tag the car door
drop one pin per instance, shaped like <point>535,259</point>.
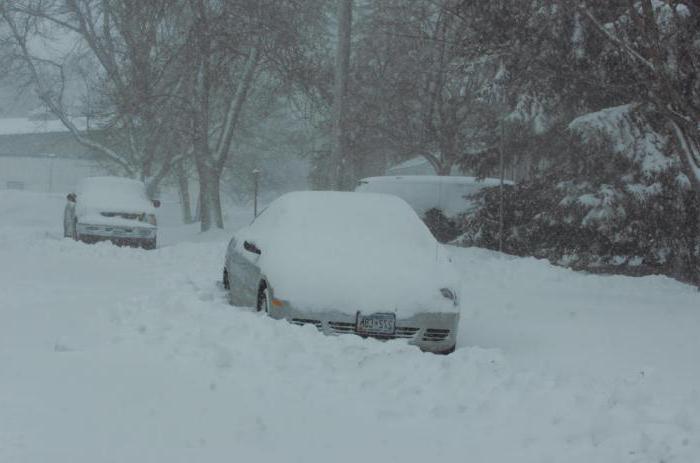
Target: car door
<point>244,273</point>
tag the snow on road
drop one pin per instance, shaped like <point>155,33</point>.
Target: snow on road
<point>114,355</point>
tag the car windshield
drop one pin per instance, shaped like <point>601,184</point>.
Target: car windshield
<point>123,215</point>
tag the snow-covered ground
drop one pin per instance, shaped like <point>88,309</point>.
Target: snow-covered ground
<point>124,355</point>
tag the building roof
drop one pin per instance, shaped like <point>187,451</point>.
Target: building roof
<point>23,126</point>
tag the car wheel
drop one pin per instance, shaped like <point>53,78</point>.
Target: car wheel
<point>149,245</point>
<point>224,280</point>
<point>263,300</point>
<point>448,350</point>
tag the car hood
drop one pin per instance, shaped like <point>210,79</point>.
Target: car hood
<point>318,275</point>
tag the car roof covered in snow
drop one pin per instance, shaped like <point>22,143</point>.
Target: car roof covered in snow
<point>334,249</point>
<point>345,213</point>
<point>113,194</point>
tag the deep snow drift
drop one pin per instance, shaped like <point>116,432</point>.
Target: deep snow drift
<point>110,354</point>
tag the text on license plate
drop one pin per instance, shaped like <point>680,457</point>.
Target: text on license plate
<point>376,323</point>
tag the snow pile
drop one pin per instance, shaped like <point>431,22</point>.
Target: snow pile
<point>349,252</point>
<point>111,354</point>
<point>25,213</point>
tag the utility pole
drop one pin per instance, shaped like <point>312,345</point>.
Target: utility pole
<point>501,225</point>
<point>342,67</point>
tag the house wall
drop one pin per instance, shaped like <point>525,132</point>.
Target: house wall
<point>43,173</point>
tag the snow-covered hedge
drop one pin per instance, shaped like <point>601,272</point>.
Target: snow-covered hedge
<point>599,207</point>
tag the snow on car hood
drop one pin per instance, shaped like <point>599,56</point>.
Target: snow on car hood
<point>112,194</point>
<point>350,252</point>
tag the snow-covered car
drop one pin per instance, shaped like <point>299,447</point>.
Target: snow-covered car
<point>438,200</point>
<point>347,263</point>
<point>111,209</point>
<point>449,194</point>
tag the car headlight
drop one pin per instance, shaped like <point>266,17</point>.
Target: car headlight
<point>447,293</point>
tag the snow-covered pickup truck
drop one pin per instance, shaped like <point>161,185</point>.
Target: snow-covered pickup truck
<point>111,209</point>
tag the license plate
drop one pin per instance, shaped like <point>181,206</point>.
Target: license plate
<point>376,323</point>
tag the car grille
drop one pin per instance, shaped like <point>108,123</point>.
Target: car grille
<point>402,332</point>
<point>306,321</point>
<point>435,335</point>
<point>342,327</point>
<point>346,327</point>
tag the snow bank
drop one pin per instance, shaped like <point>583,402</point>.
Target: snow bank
<point>110,354</point>
<point>25,214</point>
<point>349,252</point>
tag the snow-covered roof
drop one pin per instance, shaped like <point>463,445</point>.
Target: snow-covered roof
<point>416,166</point>
<point>350,251</point>
<point>21,126</point>
<point>434,179</point>
<point>413,162</point>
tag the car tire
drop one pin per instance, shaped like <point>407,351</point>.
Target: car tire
<point>224,280</point>
<point>263,300</point>
<point>149,245</point>
<point>448,351</point>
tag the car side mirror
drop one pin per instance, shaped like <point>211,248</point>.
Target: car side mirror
<point>251,247</point>
<point>156,203</point>
<point>71,197</point>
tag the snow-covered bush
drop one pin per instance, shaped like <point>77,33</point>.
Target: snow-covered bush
<point>598,205</point>
<point>443,228</point>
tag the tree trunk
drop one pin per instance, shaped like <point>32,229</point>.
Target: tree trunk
<point>205,212</point>
<point>342,65</point>
<point>183,188</point>
<point>215,191</point>
<point>444,168</point>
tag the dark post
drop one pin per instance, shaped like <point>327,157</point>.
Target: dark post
<point>501,225</point>
<point>256,176</point>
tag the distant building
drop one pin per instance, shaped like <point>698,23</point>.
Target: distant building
<point>417,166</point>
<point>420,166</point>
<point>40,154</point>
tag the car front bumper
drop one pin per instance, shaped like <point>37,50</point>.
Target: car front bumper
<point>119,235</point>
<point>431,332</point>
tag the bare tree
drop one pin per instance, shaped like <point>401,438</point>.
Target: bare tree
<point>212,130</point>
<point>129,47</point>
